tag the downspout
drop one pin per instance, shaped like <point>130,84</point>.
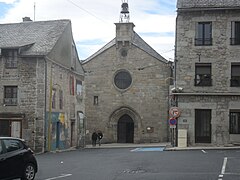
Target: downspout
<point>45,107</point>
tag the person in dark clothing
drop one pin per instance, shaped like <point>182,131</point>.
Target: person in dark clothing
<point>94,138</point>
<point>100,136</point>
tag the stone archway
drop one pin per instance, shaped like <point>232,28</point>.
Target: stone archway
<point>127,118</point>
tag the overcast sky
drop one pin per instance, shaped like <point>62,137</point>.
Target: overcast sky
<point>93,20</point>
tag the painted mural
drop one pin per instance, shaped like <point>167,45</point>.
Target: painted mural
<point>59,137</point>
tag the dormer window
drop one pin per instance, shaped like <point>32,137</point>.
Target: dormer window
<point>10,56</point>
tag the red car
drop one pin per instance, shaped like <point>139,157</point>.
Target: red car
<point>16,160</point>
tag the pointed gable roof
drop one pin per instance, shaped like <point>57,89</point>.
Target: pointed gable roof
<point>37,38</point>
<point>137,41</point>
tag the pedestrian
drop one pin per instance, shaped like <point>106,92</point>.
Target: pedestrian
<point>100,136</point>
<point>94,138</point>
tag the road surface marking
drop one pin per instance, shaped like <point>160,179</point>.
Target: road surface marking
<point>146,149</point>
<point>224,165</point>
<point>223,169</point>
<point>204,151</point>
<point>58,177</point>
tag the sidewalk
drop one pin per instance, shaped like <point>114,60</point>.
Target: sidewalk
<point>167,146</point>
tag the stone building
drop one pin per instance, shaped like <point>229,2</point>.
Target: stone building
<point>126,86</point>
<point>40,84</point>
<point>208,70</point>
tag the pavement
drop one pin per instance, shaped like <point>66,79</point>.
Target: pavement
<point>167,146</point>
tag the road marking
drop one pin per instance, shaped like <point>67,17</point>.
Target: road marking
<point>58,177</point>
<point>204,151</point>
<point>146,149</point>
<point>224,165</point>
<point>223,169</point>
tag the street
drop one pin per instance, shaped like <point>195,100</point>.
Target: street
<point>140,164</point>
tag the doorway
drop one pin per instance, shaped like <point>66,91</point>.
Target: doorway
<point>203,126</point>
<point>125,129</point>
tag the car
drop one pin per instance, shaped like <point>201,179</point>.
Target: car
<point>17,160</point>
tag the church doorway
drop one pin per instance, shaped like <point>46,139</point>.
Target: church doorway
<point>125,129</point>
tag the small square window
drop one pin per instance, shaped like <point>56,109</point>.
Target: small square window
<point>203,74</point>
<point>10,95</point>
<point>10,56</point>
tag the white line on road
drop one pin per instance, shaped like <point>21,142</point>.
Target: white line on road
<point>204,151</point>
<point>223,169</point>
<point>58,177</point>
<point>224,165</point>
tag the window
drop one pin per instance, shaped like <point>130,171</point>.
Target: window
<point>235,33</point>
<point>10,95</point>
<point>203,74</point>
<point>10,128</point>
<point>234,122</point>
<point>95,100</point>
<point>79,87</point>
<point>203,34</point>
<point>10,56</point>
<point>5,128</point>
<point>71,85</point>
<point>235,75</point>
<point>60,99</point>
<point>12,145</point>
<point>123,79</point>
<point>53,98</point>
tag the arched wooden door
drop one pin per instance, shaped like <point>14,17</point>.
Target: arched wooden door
<point>125,129</point>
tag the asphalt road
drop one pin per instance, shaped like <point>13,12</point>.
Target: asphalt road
<point>132,164</point>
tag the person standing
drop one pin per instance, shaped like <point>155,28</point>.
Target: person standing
<point>94,138</point>
<point>100,136</point>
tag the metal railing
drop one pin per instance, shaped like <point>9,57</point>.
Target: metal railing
<point>10,101</point>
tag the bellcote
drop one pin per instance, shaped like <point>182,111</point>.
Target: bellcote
<point>124,33</point>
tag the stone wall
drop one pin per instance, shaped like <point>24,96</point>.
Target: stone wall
<point>220,97</point>
<point>146,100</point>
<point>207,3</point>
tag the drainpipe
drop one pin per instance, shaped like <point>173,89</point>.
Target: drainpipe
<point>45,107</point>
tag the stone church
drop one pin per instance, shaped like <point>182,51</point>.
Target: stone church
<point>127,89</point>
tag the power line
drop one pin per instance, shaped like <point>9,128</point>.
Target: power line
<point>86,11</point>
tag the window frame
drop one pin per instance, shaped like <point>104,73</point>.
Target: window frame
<point>11,58</point>
<point>60,99</point>
<point>233,114</point>
<point>79,87</point>
<point>54,94</point>
<point>235,79</point>
<point>95,100</point>
<point>11,98</point>
<point>235,33</point>
<point>120,80</point>
<point>201,33</point>
<point>7,150</point>
<point>71,85</point>
<point>206,80</point>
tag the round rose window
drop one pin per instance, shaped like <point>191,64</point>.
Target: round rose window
<point>123,79</point>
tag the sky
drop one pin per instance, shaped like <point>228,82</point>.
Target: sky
<point>93,20</point>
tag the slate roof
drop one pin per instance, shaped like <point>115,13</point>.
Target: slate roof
<point>137,41</point>
<point>38,38</point>
<point>208,4</point>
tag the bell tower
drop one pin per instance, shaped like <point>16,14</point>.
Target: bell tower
<point>124,15</point>
<point>124,29</point>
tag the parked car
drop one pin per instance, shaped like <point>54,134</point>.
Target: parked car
<point>16,159</point>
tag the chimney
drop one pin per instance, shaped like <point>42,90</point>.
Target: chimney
<point>26,19</point>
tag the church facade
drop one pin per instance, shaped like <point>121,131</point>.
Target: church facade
<point>126,90</point>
